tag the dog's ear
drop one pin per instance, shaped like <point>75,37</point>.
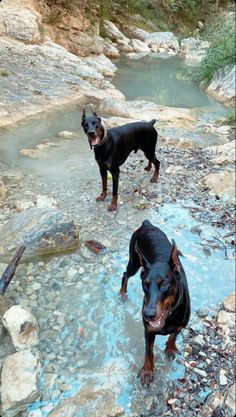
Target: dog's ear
<point>174,257</point>
<point>83,117</point>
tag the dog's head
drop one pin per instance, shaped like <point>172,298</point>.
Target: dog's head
<point>160,285</point>
<point>93,128</point>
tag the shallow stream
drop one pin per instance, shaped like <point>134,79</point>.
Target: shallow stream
<point>88,336</point>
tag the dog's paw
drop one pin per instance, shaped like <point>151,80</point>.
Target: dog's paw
<point>153,179</point>
<point>112,207</point>
<point>123,296</point>
<point>171,353</point>
<point>101,197</point>
<point>146,376</point>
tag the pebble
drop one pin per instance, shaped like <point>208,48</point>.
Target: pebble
<point>223,378</point>
<point>200,372</point>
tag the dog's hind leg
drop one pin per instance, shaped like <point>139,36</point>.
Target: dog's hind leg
<point>149,166</point>
<point>152,159</point>
<point>131,269</point>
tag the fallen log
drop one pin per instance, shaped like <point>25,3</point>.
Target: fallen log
<point>9,272</point>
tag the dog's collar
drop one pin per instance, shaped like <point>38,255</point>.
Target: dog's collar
<point>105,137</point>
<point>179,298</point>
<point>141,256</point>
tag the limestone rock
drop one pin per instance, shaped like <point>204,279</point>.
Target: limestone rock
<point>229,303</point>
<point>162,41</point>
<point>20,22</point>
<point>193,50</point>
<point>22,326</point>
<point>109,49</point>
<point>223,154</point>
<point>20,377</point>
<point>139,46</point>
<point>222,85</point>
<point>113,32</point>
<point>41,230</point>
<point>221,184</point>
<point>101,64</point>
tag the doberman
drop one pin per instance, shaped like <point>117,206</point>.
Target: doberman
<point>166,304</point>
<point>113,146</point>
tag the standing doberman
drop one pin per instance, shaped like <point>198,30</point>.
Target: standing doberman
<point>113,146</point>
<point>166,304</point>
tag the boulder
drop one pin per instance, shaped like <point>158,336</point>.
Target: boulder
<point>139,46</point>
<point>109,49</point>
<point>41,230</point>
<point>136,33</point>
<point>145,110</point>
<point>20,22</point>
<point>22,326</point>
<point>221,184</point>
<point>193,50</point>
<point>222,154</point>
<point>20,380</point>
<point>113,32</point>
<point>222,85</point>
<point>101,64</point>
<point>162,41</point>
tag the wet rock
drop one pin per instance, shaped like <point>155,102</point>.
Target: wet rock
<point>193,50</point>
<point>220,184</point>
<point>41,230</point>
<point>94,404</point>
<point>222,85</point>
<point>162,41</point>
<point>22,327</point>
<point>20,379</point>
<point>229,303</point>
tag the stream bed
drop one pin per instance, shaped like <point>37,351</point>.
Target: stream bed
<point>88,337</point>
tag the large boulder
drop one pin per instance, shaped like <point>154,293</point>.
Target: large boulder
<point>101,64</point>
<point>162,42</point>
<point>113,32</point>
<point>20,381</point>
<point>139,46</point>
<point>22,326</point>
<point>193,50</point>
<point>222,85</point>
<point>41,230</point>
<point>20,22</point>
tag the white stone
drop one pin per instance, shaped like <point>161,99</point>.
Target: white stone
<point>222,85</point>
<point>229,303</point>
<point>113,32</point>
<point>162,41</point>
<point>221,184</point>
<point>22,326</point>
<point>139,46</point>
<point>20,377</point>
<point>223,154</point>
<point>101,64</point>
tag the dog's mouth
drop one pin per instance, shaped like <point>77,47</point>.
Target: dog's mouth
<point>94,140</point>
<point>159,323</point>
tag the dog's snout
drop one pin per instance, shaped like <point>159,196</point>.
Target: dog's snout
<point>91,132</point>
<point>149,314</point>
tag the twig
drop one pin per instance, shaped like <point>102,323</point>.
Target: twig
<point>9,272</point>
<point>225,248</point>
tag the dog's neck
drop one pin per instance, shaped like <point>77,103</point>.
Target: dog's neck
<point>105,137</point>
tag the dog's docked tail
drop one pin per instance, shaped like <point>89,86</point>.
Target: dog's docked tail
<point>152,122</point>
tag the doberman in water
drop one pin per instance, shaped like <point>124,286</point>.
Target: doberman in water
<point>113,146</point>
<point>166,303</point>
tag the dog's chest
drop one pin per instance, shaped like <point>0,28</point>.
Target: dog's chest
<point>104,160</point>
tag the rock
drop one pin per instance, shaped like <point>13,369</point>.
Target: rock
<point>20,22</point>
<point>222,85</point>
<point>145,110</point>
<point>220,184</point>
<point>65,134</point>
<point>223,154</point>
<point>41,230</point>
<point>136,33</point>
<point>193,50</point>
<point>99,403</point>
<point>22,327</point>
<point>229,303</point>
<point>230,399</point>
<point>139,46</point>
<point>3,191</point>
<point>222,378</point>
<point>113,32</point>
<point>162,41</point>
<point>80,43</point>
<point>102,64</point>
<point>109,49</point>
<point>20,380</point>
<point>3,304</point>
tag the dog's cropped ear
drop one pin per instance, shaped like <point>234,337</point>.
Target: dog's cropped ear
<point>174,257</point>
<point>83,117</point>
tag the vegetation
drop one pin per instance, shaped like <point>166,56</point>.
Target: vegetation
<point>221,52</point>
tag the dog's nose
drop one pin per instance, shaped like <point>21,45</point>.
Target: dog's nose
<point>91,132</point>
<point>149,314</point>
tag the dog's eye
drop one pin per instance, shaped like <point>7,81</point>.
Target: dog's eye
<point>146,284</point>
<point>165,286</point>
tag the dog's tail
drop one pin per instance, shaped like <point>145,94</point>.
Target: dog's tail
<point>152,122</point>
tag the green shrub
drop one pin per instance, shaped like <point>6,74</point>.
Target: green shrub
<point>221,52</point>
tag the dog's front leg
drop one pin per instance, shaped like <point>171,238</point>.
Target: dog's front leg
<point>115,180</point>
<point>146,372</point>
<point>103,172</point>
